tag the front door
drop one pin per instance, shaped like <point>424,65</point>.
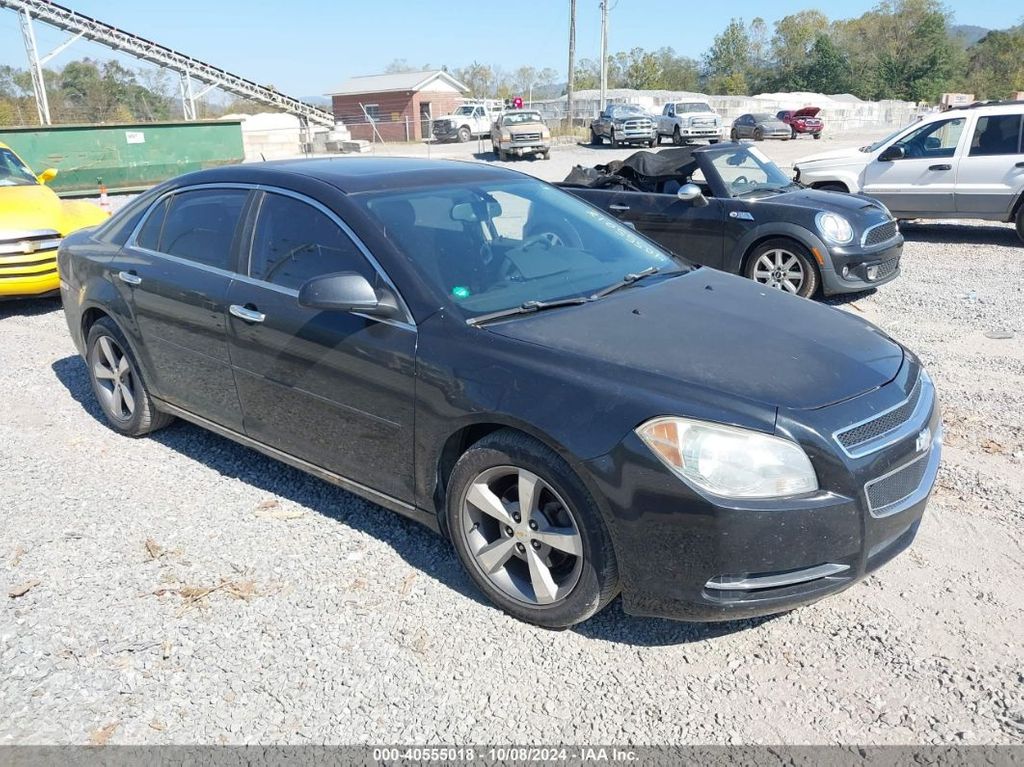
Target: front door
<point>178,270</point>
<point>922,181</point>
<point>992,171</point>
<point>425,120</point>
<point>332,388</point>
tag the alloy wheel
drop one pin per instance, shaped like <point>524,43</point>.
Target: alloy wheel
<point>114,377</point>
<point>780,269</point>
<point>521,535</point>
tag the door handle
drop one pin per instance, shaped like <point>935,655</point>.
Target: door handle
<point>129,278</point>
<point>940,167</point>
<point>249,315</point>
<point>618,208</point>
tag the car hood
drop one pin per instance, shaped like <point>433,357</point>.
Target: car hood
<point>722,333</point>
<point>532,127</point>
<point>852,205</point>
<point>837,156</point>
<point>27,208</point>
<point>807,112</point>
<point>773,125</point>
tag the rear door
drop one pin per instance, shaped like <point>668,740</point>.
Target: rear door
<point>923,180</point>
<point>332,388</point>
<point>178,269</point>
<point>991,171</point>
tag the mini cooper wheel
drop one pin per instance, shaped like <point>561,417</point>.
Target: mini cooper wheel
<point>784,265</point>
<point>528,532</point>
<point>117,383</point>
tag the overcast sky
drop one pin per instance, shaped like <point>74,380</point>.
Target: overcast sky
<point>304,47</point>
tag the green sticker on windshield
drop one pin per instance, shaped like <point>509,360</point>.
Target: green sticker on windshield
<point>460,291</point>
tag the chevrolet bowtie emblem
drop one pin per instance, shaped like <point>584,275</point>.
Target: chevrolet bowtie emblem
<point>27,247</point>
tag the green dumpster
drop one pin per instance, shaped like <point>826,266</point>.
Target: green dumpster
<point>128,157</point>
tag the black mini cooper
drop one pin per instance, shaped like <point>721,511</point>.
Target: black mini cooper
<point>583,413</point>
<point>730,207</point>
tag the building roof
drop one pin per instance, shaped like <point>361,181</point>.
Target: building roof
<point>400,81</point>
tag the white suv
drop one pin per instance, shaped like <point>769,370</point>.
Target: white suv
<point>967,162</point>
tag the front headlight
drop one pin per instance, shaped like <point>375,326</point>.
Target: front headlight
<point>834,228</point>
<point>729,461</point>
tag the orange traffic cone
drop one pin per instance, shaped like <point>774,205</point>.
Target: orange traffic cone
<point>104,202</point>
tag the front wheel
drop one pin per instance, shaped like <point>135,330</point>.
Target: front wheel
<point>117,382</point>
<point>734,135</point>
<point>758,135</point>
<point>817,136</point>
<point>464,134</point>
<point>1020,223</point>
<point>614,139</point>
<point>503,155</point>
<point>677,137</point>
<point>785,265</point>
<point>528,532</point>
<point>595,139</point>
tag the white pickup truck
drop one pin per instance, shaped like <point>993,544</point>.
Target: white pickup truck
<point>683,121</point>
<point>471,120</point>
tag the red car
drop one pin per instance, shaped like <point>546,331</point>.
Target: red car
<point>804,120</point>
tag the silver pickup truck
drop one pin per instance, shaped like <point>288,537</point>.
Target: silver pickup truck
<point>683,121</point>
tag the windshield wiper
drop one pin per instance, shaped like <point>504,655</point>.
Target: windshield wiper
<point>527,307</point>
<point>626,281</point>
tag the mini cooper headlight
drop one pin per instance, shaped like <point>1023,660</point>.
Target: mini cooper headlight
<point>834,228</point>
<point>729,461</point>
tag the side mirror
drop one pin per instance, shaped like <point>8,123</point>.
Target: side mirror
<point>895,152</point>
<point>47,176</point>
<point>348,292</point>
<point>692,193</point>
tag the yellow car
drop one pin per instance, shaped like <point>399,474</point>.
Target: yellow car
<point>33,220</point>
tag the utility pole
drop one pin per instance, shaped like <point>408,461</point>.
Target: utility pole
<point>572,62</point>
<point>604,53</point>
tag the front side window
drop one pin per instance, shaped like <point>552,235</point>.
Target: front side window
<point>197,225</point>
<point>13,172</point>
<point>294,242</point>
<point>936,139</point>
<point>494,246</point>
<point>997,134</point>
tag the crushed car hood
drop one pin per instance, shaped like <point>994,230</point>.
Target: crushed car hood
<point>722,333</point>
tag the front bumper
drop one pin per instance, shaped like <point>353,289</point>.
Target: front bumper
<point>29,276</point>
<point>855,268</point>
<point>522,148</point>
<point>700,132</point>
<point>686,556</point>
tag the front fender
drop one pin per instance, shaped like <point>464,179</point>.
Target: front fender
<point>737,259</point>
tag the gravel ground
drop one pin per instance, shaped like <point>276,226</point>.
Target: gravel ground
<point>184,589</point>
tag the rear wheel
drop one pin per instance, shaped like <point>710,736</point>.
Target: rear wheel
<point>785,265</point>
<point>528,532</point>
<point>117,382</point>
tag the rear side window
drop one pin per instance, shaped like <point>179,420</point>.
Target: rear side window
<point>294,242</point>
<point>997,134</point>
<point>198,226</point>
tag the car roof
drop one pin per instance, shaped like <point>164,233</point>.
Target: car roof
<point>352,175</point>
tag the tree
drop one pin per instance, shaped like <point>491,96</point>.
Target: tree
<point>640,70</point>
<point>996,65</point>
<point>826,69</point>
<point>479,78</point>
<point>795,36</point>
<point>727,62</point>
<point>677,73</point>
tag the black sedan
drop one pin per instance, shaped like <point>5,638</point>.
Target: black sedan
<point>730,207</point>
<point>581,420</point>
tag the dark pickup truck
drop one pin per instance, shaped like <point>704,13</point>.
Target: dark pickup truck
<point>729,207</point>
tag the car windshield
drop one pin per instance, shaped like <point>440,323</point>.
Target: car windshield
<point>13,172</point>
<point>692,106</point>
<point>883,141</point>
<point>522,117</point>
<point>496,246</point>
<point>626,109</point>
<point>746,171</point>
<point>467,110</point>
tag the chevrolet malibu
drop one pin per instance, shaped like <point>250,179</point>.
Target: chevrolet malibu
<point>581,421</point>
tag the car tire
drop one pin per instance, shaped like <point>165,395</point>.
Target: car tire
<point>546,155</point>
<point>758,134</point>
<point>792,133</point>
<point>117,382</point>
<point>734,135</point>
<point>677,137</point>
<point>1020,222</point>
<point>774,262</point>
<point>503,155</point>
<point>494,148</point>
<point>548,585</point>
<point>595,140</point>
<point>614,139</point>
<point>464,134</point>
<point>713,141</point>
<point>816,136</point>
<point>650,144</point>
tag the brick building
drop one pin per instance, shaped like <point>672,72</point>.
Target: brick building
<point>400,105</point>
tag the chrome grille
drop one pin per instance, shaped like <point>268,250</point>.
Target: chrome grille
<point>643,124</point>
<point>27,243</point>
<point>526,137</point>
<point>896,486</point>
<point>880,233</point>
<point>878,427</point>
